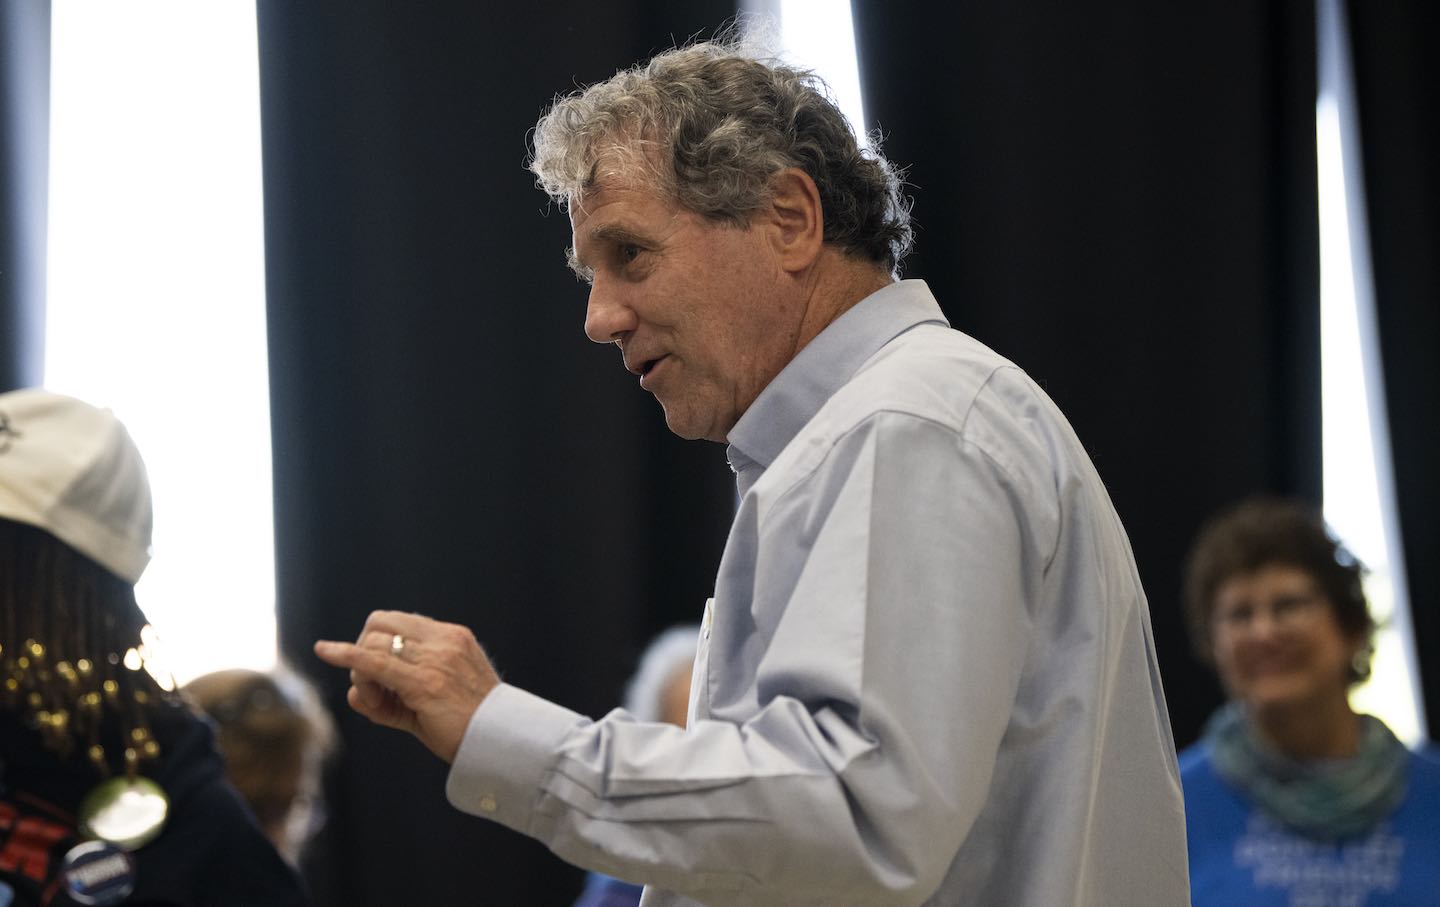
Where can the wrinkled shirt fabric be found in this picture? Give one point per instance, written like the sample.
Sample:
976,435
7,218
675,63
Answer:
927,675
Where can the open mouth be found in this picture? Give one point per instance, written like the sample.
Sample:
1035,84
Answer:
647,368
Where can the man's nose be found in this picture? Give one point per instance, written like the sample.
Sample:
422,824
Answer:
608,318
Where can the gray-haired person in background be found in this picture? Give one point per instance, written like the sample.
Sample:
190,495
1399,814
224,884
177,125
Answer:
659,691
927,673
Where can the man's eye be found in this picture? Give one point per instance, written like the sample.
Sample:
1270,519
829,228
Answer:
629,252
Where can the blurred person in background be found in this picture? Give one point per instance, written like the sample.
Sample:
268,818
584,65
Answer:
659,691
1292,798
275,736
111,790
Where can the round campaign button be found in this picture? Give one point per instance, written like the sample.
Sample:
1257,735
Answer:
129,812
7,895
98,873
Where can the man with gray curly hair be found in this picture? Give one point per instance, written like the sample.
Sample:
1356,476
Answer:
706,141
927,674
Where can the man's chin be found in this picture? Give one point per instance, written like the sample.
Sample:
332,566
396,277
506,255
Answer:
686,425
689,433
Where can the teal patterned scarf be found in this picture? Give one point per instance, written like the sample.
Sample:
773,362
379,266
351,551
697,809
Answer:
1327,800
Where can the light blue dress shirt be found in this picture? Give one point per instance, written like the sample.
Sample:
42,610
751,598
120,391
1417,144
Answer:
926,677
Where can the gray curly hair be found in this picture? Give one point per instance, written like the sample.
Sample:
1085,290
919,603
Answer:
712,123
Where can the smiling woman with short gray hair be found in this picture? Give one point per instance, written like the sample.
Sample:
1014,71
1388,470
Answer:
1292,797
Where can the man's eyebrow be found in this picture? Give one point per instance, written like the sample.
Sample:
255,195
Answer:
616,234
582,272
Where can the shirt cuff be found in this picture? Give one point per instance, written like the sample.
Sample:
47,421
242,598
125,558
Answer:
510,748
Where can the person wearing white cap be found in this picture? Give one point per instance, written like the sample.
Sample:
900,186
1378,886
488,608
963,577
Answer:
110,786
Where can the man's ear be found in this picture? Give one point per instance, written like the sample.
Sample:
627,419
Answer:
795,219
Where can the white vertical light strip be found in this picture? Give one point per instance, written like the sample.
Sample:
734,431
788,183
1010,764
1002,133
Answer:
156,304
820,36
1359,484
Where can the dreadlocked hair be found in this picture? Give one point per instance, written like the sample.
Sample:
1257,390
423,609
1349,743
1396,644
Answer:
73,642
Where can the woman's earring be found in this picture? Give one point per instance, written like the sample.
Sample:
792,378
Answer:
1360,663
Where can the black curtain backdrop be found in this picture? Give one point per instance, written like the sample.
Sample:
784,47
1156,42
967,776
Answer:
1121,198
1397,79
24,178
446,440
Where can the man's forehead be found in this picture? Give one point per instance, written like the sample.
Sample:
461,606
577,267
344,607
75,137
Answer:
608,188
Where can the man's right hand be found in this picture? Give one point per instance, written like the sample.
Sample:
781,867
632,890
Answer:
415,674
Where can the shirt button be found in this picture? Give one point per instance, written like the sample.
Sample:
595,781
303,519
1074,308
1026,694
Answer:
487,804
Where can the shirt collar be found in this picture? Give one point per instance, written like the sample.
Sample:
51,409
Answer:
823,366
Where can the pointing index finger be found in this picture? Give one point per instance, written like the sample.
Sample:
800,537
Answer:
377,665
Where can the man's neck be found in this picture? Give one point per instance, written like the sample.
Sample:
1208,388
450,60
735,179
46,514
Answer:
833,287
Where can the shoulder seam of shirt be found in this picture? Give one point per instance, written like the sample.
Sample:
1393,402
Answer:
957,431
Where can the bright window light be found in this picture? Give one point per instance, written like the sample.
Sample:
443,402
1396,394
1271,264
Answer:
156,304
819,35
1358,477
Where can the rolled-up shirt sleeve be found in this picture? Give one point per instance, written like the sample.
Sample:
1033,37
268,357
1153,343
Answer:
857,692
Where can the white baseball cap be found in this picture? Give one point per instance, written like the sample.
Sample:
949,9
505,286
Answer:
71,469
